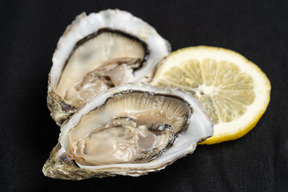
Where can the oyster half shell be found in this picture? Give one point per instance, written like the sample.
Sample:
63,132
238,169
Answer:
97,52
132,129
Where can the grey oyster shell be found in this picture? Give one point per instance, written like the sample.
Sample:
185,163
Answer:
85,27
66,162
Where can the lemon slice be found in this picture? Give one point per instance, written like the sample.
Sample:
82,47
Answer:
234,91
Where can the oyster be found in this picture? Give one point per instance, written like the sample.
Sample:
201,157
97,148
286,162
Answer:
98,52
132,129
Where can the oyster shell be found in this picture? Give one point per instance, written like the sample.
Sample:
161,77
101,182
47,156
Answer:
132,129
98,52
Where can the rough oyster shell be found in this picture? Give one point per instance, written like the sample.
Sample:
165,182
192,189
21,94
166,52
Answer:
84,27
66,162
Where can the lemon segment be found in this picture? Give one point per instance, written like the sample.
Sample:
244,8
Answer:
233,91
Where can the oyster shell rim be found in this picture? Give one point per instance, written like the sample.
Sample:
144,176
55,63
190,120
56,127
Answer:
54,101
56,169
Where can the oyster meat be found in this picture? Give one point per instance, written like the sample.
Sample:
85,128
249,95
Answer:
132,129
98,52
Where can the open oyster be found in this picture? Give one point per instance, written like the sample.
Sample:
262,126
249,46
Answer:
98,52
131,129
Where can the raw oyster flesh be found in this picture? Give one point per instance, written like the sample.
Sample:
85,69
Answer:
98,52
131,129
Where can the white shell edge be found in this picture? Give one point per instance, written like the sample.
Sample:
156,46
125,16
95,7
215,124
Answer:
84,25
200,127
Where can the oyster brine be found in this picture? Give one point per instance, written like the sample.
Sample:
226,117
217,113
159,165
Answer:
132,129
98,52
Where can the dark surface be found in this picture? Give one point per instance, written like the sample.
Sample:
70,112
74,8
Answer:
257,29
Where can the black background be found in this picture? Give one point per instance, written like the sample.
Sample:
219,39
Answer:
257,29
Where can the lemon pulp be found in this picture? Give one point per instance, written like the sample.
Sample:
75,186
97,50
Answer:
233,91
